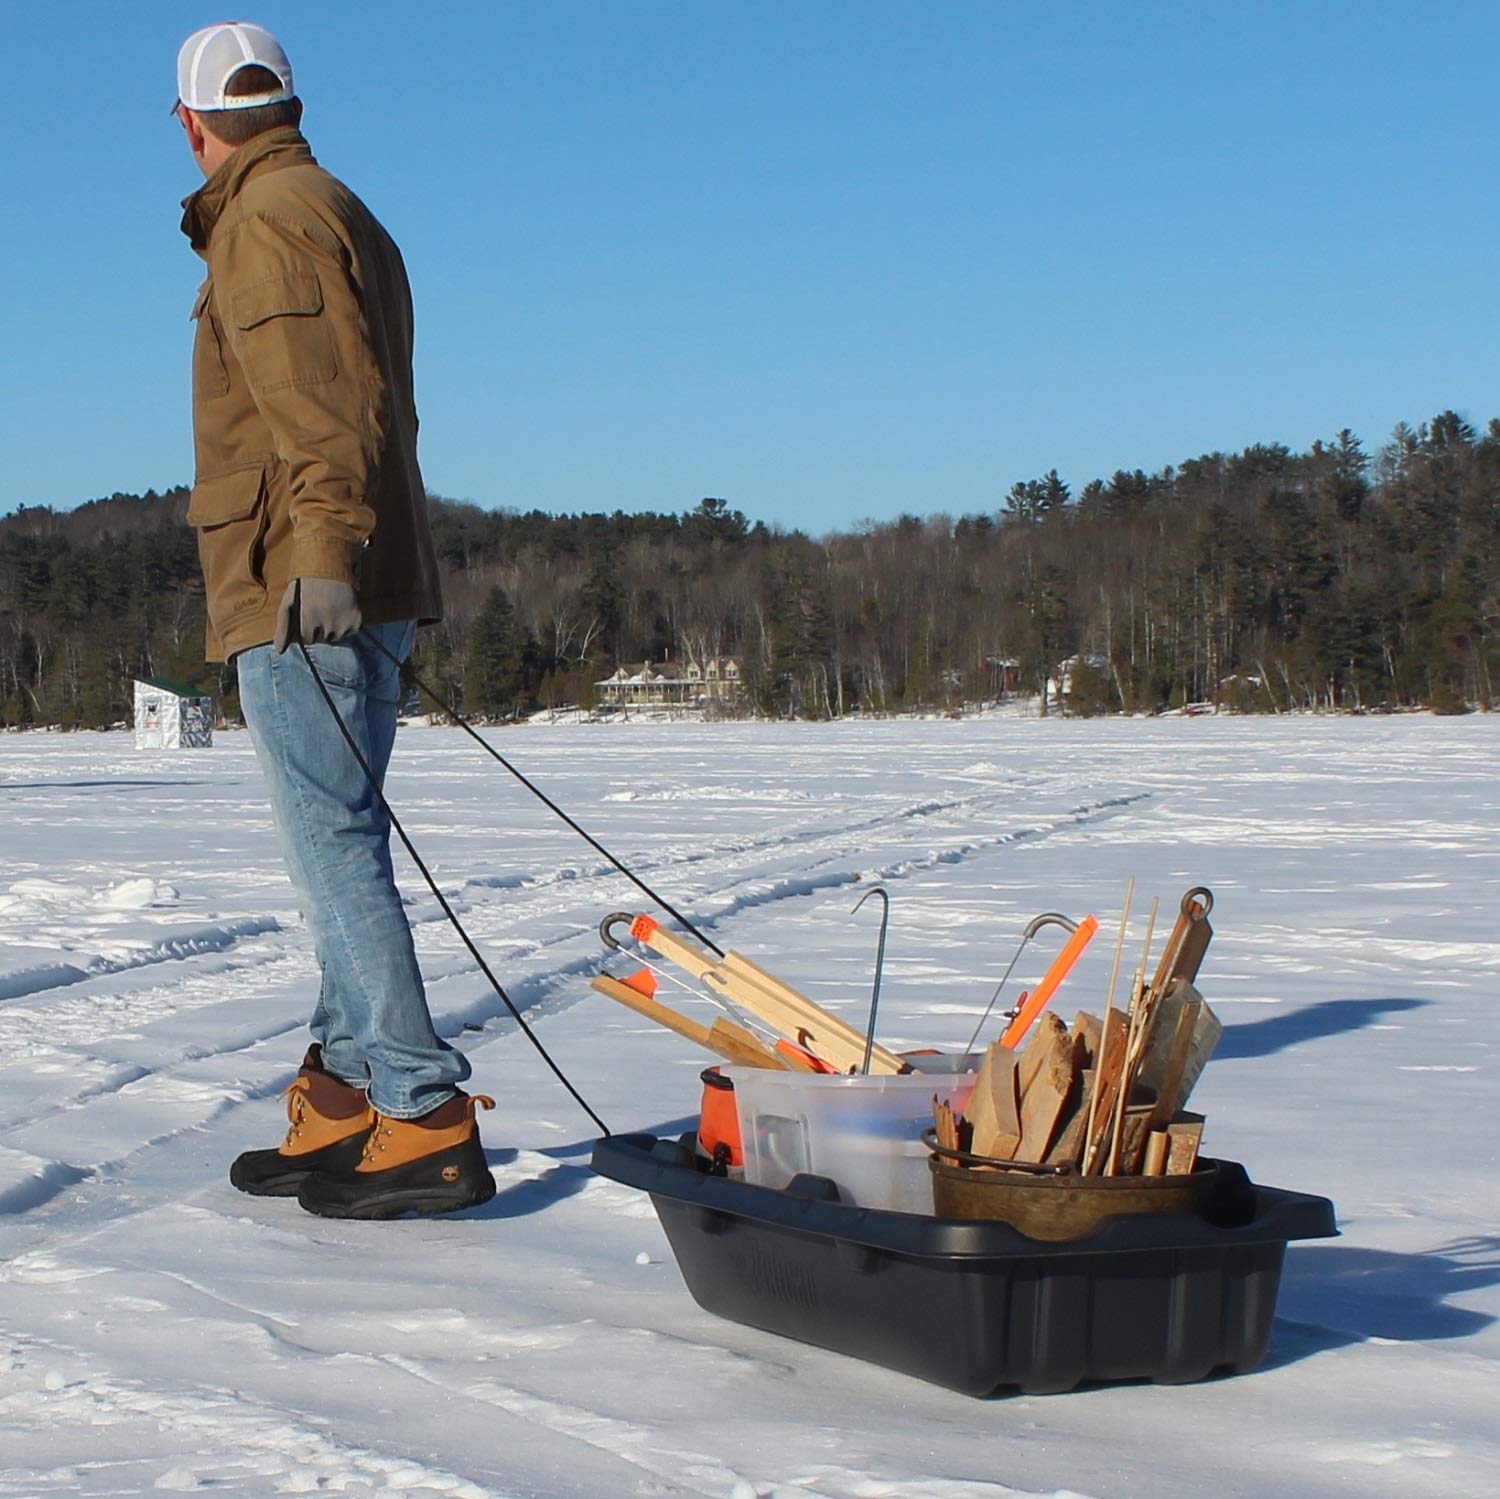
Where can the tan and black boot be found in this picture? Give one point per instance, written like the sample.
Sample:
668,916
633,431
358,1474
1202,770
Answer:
330,1121
434,1164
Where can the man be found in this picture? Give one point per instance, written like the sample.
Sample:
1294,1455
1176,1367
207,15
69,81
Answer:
312,527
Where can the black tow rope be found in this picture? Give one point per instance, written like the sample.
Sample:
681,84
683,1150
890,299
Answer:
542,796
426,873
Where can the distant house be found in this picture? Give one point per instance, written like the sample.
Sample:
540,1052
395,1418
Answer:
1061,685
1005,673
169,715
668,684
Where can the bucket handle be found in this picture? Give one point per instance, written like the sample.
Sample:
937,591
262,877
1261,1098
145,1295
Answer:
968,1158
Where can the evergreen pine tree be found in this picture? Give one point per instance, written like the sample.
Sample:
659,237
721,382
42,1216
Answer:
1052,493
604,597
495,662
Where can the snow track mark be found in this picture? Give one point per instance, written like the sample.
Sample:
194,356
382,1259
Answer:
204,1439
186,943
27,1181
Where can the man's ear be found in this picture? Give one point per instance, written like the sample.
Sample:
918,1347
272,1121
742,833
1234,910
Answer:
192,128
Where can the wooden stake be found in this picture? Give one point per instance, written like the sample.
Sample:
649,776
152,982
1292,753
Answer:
1109,999
1146,945
1132,1046
1046,1082
1133,1136
992,1107
1185,1135
1084,1037
1157,1142
1087,1029
1067,1149
1169,1081
946,1125
1107,1079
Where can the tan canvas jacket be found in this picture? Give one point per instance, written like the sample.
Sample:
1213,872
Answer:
304,422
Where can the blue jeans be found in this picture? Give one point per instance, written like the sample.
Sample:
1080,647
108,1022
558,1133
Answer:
372,1019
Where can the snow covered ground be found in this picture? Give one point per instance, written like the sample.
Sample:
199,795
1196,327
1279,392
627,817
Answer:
161,1332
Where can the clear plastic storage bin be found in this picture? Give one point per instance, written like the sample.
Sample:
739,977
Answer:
863,1132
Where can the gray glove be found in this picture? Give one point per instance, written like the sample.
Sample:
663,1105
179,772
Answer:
329,611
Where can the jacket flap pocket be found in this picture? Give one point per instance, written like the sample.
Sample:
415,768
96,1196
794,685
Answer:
225,497
296,294
201,300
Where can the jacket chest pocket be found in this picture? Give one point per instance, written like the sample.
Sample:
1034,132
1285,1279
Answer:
231,515
210,374
281,332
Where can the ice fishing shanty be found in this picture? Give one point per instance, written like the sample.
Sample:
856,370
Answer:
171,715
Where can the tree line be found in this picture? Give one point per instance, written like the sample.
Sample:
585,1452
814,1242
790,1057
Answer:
1263,580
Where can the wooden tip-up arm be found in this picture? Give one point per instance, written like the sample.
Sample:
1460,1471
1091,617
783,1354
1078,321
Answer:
723,1037
751,988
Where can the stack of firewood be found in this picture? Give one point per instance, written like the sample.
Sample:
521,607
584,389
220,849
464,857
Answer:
1104,1097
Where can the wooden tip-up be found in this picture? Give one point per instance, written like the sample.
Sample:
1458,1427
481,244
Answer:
830,1041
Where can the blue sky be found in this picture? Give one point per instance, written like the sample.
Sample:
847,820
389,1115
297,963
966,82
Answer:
826,259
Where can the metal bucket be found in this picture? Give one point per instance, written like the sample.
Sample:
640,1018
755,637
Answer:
1056,1205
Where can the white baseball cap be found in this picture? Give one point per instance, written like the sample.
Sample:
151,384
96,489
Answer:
211,57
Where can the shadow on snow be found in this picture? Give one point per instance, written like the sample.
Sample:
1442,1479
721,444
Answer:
557,1183
1335,1295
1329,1017
89,785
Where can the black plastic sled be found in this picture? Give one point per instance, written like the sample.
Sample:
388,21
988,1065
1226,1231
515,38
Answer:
977,1306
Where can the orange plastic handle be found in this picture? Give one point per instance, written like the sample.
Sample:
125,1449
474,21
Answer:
1048,986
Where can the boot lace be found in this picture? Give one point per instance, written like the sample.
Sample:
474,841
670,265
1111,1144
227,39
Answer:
296,1106
378,1136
